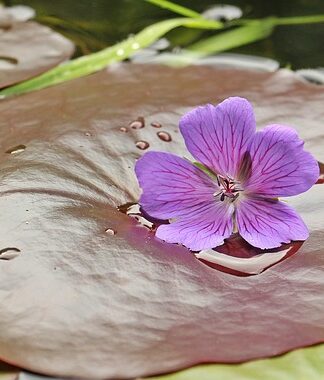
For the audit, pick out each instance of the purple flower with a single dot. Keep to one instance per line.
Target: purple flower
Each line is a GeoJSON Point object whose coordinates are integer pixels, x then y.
{"type": "Point", "coordinates": [236, 184]}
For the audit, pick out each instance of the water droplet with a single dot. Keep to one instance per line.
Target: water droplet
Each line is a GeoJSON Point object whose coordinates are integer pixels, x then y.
{"type": "Point", "coordinates": [120, 52]}
{"type": "Point", "coordinates": [134, 211]}
{"type": "Point", "coordinates": [144, 222]}
{"type": "Point", "coordinates": [156, 125]}
{"type": "Point", "coordinates": [164, 136]}
{"type": "Point", "coordinates": [138, 123]}
{"type": "Point", "coordinates": [88, 134]}
{"type": "Point", "coordinates": [135, 45]}
{"type": "Point", "coordinates": [110, 231]}
{"type": "Point", "coordinates": [142, 145]}
{"type": "Point", "coordinates": [9, 253]}
{"type": "Point", "coordinates": [125, 207]}
{"type": "Point", "coordinates": [123, 129]}
{"type": "Point", "coordinates": [27, 222]}
{"type": "Point", "coordinates": [16, 149]}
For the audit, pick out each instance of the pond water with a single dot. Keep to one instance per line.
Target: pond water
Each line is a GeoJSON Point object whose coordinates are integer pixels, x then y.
{"type": "Point", "coordinates": [95, 24]}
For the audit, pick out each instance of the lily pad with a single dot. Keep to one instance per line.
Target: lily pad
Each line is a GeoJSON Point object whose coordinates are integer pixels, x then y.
{"type": "Point", "coordinates": [92, 293]}
{"type": "Point", "coordinates": [9, 15]}
{"type": "Point", "coordinates": [28, 48]}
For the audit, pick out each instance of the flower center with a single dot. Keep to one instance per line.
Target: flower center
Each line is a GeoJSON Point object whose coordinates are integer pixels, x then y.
{"type": "Point", "coordinates": [229, 188]}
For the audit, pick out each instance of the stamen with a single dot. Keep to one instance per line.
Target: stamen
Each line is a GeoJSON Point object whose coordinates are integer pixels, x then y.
{"type": "Point", "coordinates": [229, 188]}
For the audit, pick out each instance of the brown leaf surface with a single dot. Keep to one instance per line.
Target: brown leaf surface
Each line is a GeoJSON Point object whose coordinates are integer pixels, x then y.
{"type": "Point", "coordinates": [28, 49]}
{"type": "Point", "coordinates": [78, 301]}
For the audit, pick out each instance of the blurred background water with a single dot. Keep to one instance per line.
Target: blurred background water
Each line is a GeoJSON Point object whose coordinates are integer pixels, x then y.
{"type": "Point", "coordinates": [95, 24]}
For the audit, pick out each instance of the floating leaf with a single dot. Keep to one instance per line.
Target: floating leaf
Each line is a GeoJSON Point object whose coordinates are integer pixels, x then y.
{"type": "Point", "coordinates": [125, 304]}
{"type": "Point", "coordinates": [28, 49]}
{"type": "Point", "coordinates": [223, 12]}
{"type": "Point", "coordinates": [20, 13]}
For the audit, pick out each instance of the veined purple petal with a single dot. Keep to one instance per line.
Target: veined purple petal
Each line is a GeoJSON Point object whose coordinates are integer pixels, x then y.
{"type": "Point", "coordinates": [206, 229]}
{"type": "Point", "coordinates": [267, 223]}
{"type": "Point", "coordinates": [280, 166]}
{"type": "Point", "coordinates": [219, 136]}
{"type": "Point", "coordinates": [175, 188]}
{"type": "Point", "coordinates": [172, 186]}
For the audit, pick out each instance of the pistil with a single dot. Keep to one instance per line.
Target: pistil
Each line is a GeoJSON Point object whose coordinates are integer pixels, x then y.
{"type": "Point", "coordinates": [229, 188]}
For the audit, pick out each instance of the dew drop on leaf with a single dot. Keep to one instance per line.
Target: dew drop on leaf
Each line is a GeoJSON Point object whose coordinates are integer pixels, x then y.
{"type": "Point", "coordinates": [142, 144]}
{"type": "Point", "coordinates": [164, 136]}
{"type": "Point", "coordinates": [110, 231]}
{"type": "Point", "coordinates": [16, 149]}
{"type": "Point", "coordinates": [138, 123]}
{"type": "Point", "coordinates": [9, 253]}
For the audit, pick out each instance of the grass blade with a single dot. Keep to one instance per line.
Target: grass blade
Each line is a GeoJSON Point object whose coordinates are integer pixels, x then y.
{"type": "Point", "coordinates": [240, 36]}
{"type": "Point", "coordinates": [176, 8]}
{"type": "Point", "coordinates": [94, 62]}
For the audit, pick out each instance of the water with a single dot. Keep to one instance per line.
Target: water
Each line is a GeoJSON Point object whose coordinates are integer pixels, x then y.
{"type": "Point", "coordinates": [164, 136]}
{"type": "Point", "coordinates": [110, 231]}
{"type": "Point", "coordinates": [142, 145]}
{"type": "Point", "coordinates": [138, 123]}
{"type": "Point", "coordinates": [9, 253]}
{"type": "Point", "coordinates": [16, 149]}
{"type": "Point", "coordinates": [134, 211]}
{"type": "Point", "coordinates": [95, 24]}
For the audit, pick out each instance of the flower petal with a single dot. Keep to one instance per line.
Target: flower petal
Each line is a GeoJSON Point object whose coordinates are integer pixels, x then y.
{"type": "Point", "coordinates": [267, 223]}
{"type": "Point", "coordinates": [219, 136]}
{"type": "Point", "coordinates": [172, 186]}
{"type": "Point", "coordinates": [280, 166]}
{"type": "Point", "coordinates": [206, 229]}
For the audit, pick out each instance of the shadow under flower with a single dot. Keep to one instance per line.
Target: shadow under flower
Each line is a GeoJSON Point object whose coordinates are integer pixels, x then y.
{"type": "Point", "coordinates": [236, 256]}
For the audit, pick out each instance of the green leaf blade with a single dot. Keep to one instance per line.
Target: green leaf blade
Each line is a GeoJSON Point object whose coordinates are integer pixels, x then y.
{"type": "Point", "coordinates": [94, 62]}
{"type": "Point", "coordinates": [234, 38]}
{"type": "Point", "coordinates": [176, 8]}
